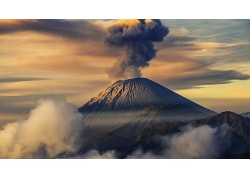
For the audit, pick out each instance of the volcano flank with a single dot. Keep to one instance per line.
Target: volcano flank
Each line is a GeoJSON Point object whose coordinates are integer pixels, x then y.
{"type": "Point", "coordinates": [138, 101]}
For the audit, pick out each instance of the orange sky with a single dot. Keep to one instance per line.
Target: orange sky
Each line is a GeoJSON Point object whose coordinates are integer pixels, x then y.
{"type": "Point", "coordinates": [206, 61]}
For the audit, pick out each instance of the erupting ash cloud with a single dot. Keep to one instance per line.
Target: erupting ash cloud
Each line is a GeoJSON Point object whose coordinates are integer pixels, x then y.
{"type": "Point", "coordinates": [53, 127]}
{"type": "Point", "coordinates": [136, 37]}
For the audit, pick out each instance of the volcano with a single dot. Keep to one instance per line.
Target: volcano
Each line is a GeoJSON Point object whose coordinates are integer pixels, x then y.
{"type": "Point", "coordinates": [138, 101]}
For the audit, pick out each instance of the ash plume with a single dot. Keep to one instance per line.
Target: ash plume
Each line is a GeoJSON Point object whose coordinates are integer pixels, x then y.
{"type": "Point", "coordinates": [136, 38]}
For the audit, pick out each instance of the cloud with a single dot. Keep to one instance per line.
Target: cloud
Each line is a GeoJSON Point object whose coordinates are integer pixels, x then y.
{"type": "Point", "coordinates": [68, 64]}
{"type": "Point", "coordinates": [139, 154]}
{"type": "Point", "coordinates": [18, 79]}
{"type": "Point", "coordinates": [61, 85]}
{"type": "Point", "coordinates": [53, 127]}
{"type": "Point", "coordinates": [18, 98]}
{"type": "Point", "coordinates": [192, 143]}
{"type": "Point", "coordinates": [94, 154]}
{"type": "Point", "coordinates": [201, 142]}
{"type": "Point", "coordinates": [234, 104]}
{"type": "Point", "coordinates": [177, 71]}
{"type": "Point", "coordinates": [179, 42]}
{"type": "Point", "coordinates": [55, 45]}
{"type": "Point", "coordinates": [183, 62]}
{"type": "Point", "coordinates": [205, 77]}
{"type": "Point", "coordinates": [21, 105]}
{"type": "Point", "coordinates": [71, 29]}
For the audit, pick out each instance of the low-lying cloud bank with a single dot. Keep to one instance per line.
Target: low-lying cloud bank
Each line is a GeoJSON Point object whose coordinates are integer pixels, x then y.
{"type": "Point", "coordinates": [53, 127]}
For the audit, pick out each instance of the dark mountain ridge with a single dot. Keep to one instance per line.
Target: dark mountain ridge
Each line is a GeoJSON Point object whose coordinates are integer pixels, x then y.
{"type": "Point", "coordinates": [148, 138]}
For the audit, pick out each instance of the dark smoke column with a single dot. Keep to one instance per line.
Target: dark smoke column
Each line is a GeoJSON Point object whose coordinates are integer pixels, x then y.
{"type": "Point", "coordinates": [136, 38]}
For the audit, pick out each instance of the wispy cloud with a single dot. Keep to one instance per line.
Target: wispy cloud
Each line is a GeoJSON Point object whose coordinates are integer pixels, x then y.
{"type": "Point", "coordinates": [17, 98]}
{"type": "Point", "coordinates": [82, 30]}
{"type": "Point", "coordinates": [18, 79]}
{"type": "Point", "coordinates": [206, 77]}
{"type": "Point", "coordinates": [180, 72]}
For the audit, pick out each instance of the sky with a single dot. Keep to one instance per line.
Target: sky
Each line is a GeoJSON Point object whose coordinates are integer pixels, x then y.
{"type": "Point", "coordinates": [206, 61]}
{"type": "Point", "coordinates": [15, 99]}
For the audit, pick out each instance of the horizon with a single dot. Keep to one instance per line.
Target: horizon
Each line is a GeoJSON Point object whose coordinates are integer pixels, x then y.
{"type": "Point", "coordinates": [206, 61]}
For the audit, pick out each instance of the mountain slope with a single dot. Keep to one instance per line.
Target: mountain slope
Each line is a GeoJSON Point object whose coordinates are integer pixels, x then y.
{"type": "Point", "coordinates": [239, 137]}
{"type": "Point", "coordinates": [158, 114]}
{"type": "Point", "coordinates": [148, 139]}
{"type": "Point", "coordinates": [122, 102]}
{"type": "Point", "coordinates": [137, 93]}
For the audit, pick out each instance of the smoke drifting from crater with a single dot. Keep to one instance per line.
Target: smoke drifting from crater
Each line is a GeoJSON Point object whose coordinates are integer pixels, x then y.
{"type": "Point", "coordinates": [136, 38]}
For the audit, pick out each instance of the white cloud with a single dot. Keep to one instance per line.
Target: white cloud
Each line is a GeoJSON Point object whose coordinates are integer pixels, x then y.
{"type": "Point", "coordinates": [202, 142]}
{"type": "Point", "coordinates": [139, 154]}
{"type": "Point", "coordinates": [94, 154]}
{"type": "Point", "coordinates": [53, 127]}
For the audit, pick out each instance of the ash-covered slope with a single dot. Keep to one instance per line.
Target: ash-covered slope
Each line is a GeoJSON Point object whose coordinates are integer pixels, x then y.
{"type": "Point", "coordinates": [137, 93]}
{"type": "Point", "coordinates": [123, 101]}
